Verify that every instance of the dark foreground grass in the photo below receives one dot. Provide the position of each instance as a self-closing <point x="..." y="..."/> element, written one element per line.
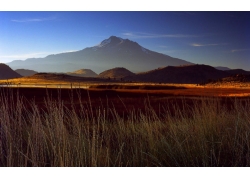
<point x="204" y="134"/>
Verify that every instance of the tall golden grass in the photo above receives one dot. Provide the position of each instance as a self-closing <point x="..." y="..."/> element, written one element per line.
<point x="205" y="134"/>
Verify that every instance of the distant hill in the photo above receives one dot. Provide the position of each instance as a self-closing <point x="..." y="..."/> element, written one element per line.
<point x="26" y="72"/>
<point x="111" y="52"/>
<point x="222" y="68"/>
<point x="180" y="74"/>
<point x="118" y="72"/>
<point x="238" y="71"/>
<point x="83" y="73"/>
<point x="7" y="73"/>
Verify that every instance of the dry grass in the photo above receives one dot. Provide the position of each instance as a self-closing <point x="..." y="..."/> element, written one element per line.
<point x="52" y="78"/>
<point x="205" y="134"/>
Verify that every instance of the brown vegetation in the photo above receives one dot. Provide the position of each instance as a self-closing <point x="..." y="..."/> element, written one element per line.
<point x="54" y="78"/>
<point x="73" y="127"/>
<point x="237" y="80"/>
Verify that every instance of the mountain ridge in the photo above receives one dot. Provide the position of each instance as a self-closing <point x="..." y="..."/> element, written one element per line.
<point x="110" y="53"/>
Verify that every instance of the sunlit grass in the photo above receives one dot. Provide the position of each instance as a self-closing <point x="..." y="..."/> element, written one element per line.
<point x="205" y="134"/>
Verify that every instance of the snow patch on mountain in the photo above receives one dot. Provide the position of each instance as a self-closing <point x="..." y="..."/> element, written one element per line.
<point x="94" y="48"/>
<point x="121" y="40"/>
<point x="104" y="43"/>
<point x="144" y="50"/>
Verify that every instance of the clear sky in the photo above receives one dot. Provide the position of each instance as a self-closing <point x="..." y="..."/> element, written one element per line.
<point x="213" y="38"/>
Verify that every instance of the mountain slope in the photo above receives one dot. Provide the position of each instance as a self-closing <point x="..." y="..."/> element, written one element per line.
<point x="7" y="73"/>
<point x="25" y="72"/>
<point x="110" y="53"/>
<point x="118" y="72"/>
<point x="182" y="74"/>
<point x="83" y="73"/>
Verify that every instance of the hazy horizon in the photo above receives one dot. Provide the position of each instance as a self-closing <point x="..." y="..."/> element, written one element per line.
<point x="212" y="38"/>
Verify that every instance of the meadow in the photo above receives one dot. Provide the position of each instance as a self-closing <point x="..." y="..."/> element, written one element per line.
<point x="183" y="127"/>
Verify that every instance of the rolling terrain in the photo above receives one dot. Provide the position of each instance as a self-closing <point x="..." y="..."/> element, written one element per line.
<point x="119" y="123"/>
<point x="186" y="74"/>
<point x="190" y="74"/>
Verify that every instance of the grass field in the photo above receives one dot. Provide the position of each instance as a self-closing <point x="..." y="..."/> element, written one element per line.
<point x="124" y="127"/>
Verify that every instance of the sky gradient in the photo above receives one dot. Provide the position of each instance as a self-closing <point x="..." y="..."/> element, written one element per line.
<point x="213" y="38"/>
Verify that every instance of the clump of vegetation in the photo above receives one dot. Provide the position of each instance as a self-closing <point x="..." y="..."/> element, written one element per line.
<point x="207" y="133"/>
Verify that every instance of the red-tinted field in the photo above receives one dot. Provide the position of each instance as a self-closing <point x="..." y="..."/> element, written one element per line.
<point x="126" y="100"/>
<point x="124" y="127"/>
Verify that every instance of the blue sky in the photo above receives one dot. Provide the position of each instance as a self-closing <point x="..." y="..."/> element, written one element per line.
<point x="213" y="38"/>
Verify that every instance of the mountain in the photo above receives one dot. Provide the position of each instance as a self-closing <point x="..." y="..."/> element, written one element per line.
<point x="180" y="74"/>
<point x="118" y="72"/>
<point x="7" y="73"/>
<point x="83" y="73"/>
<point x="25" y="72"/>
<point x="110" y="53"/>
